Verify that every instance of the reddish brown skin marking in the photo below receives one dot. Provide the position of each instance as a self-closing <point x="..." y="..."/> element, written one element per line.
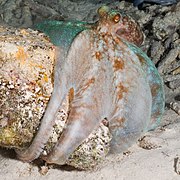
<point x="85" y="87"/>
<point x="91" y="81"/>
<point x="105" y="37"/>
<point x="117" y="40"/>
<point x="118" y="65"/>
<point x="120" y="122"/>
<point x="141" y="59"/>
<point x="122" y="89"/>
<point x="98" y="55"/>
<point x="155" y="89"/>
<point x="130" y="31"/>
<point x="71" y="94"/>
<point x="158" y="113"/>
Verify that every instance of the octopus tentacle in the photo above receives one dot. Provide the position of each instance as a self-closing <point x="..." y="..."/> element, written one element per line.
<point x="156" y="84"/>
<point x="132" y="99"/>
<point x="131" y="116"/>
<point x="85" y="113"/>
<point x="82" y="120"/>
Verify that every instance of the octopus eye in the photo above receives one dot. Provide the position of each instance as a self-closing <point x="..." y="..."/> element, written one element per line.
<point x="116" y="18"/>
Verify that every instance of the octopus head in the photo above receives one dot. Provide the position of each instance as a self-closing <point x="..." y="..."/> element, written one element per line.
<point x="120" y="24"/>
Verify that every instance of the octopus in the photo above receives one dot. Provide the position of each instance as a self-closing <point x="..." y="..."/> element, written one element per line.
<point x="106" y="76"/>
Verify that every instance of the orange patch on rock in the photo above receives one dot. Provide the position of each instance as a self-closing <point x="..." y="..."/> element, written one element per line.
<point x="24" y="32"/>
<point x="45" y="78"/>
<point x="21" y="54"/>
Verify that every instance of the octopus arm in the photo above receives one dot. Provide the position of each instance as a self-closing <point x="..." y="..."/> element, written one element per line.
<point x="156" y="85"/>
<point x="82" y="120"/>
<point x="85" y="110"/>
<point x="132" y="101"/>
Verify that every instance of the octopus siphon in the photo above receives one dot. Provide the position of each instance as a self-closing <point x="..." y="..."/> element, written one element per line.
<point x="106" y="76"/>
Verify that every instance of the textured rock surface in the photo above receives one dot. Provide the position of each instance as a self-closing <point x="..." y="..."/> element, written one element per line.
<point x="26" y="60"/>
<point x="26" y="13"/>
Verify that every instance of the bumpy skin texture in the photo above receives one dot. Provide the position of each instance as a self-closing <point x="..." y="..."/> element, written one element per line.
<point x="106" y="76"/>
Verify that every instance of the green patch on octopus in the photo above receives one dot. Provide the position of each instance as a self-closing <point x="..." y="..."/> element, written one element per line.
<point x="62" y="33"/>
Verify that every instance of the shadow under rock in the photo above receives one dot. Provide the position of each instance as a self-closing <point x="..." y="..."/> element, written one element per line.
<point x="7" y="153"/>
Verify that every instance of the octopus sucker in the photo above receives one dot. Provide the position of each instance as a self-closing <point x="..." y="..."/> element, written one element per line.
<point x="105" y="75"/>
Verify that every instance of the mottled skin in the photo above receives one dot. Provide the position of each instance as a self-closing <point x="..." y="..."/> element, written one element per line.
<point x="106" y="76"/>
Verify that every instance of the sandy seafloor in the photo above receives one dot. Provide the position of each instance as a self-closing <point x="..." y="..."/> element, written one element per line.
<point x="157" y="158"/>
